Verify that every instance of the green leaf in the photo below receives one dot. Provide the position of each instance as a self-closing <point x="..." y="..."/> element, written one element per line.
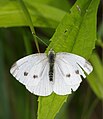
<point x="50" y="105"/>
<point x="96" y="78"/>
<point x="77" y="31"/>
<point x="42" y="15"/>
<point x="77" y="34"/>
<point x="63" y="4"/>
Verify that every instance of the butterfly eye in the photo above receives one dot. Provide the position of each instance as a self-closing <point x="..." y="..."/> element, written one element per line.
<point x="77" y="71"/>
<point x="35" y="76"/>
<point x="68" y="75"/>
<point x="25" y="73"/>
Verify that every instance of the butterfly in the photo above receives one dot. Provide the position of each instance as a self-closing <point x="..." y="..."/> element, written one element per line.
<point x="43" y="73"/>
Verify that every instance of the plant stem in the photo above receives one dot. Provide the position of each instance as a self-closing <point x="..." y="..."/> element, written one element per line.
<point x="29" y="20"/>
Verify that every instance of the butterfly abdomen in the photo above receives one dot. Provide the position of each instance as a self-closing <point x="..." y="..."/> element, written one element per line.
<point x="51" y="73"/>
<point x="51" y="58"/>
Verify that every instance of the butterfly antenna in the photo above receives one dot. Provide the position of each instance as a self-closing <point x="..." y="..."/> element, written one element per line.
<point x="40" y="39"/>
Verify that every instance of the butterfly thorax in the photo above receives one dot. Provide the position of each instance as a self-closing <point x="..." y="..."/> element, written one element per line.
<point x="51" y="58"/>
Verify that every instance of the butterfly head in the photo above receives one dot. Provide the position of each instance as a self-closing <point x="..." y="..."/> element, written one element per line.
<point x="51" y="51"/>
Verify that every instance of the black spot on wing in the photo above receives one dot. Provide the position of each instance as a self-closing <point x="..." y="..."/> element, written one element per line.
<point x="35" y="76"/>
<point x="77" y="71"/>
<point x="25" y="73"/>
<point x="68" y="75"/>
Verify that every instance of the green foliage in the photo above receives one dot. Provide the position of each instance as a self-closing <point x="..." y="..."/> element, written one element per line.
<point x="4" y="102"/>
<point x="71" y="36"/>
<point x="11" y="14"/>
<point x="75" y="32"/>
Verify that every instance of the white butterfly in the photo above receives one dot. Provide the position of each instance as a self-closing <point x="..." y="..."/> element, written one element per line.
<point x="43" y="74"/>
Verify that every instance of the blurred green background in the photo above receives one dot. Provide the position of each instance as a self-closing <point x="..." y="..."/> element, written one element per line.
<point x="16" y="41"/>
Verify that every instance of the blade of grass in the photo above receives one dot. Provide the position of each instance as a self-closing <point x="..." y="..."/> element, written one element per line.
<point x="91" y="108"/>
<point x="29" y="20"/>
<point x="96" y="78"/>
<point x="86" y="103"/>
<point x="4" y="101"/>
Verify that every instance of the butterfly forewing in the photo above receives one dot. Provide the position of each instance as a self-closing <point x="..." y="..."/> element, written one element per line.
<point x="22" y="67"/>
<point x="44" y="86"/>
<point x="30" y="72"/>
<point x="60" y="86"/>
<point x="68" y="72"/>
<point x="77" y="62"/>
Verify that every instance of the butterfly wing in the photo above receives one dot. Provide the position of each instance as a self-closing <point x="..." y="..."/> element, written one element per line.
<point x="68" y="70"/>
<point x="32" y="71"/>
<point x="44" y="86"/>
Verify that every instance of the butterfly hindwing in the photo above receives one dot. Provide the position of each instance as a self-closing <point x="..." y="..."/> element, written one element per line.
<point x="65" y="79"/>
<point x="44" y="86"/>
<point x="60" y="87"/>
